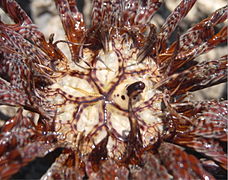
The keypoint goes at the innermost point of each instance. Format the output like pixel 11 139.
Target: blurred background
pixel 45 16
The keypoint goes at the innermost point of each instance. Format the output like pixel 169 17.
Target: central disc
pixel 104 95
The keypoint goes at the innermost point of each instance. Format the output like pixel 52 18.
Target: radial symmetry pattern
pixel 119 106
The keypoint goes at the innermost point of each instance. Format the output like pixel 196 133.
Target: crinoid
pixel 119 107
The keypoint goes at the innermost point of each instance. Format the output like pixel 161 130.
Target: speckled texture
pixel 45 13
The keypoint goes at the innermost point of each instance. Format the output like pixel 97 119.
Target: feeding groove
pixel 101 100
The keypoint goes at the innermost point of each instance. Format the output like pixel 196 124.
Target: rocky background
pixel 44 14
